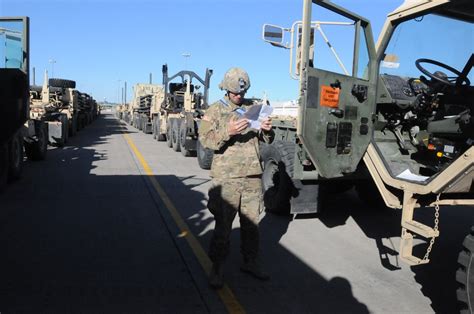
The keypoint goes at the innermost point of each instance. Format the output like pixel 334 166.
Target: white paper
pixel 390 65
pixel 256 114
pixel 408 175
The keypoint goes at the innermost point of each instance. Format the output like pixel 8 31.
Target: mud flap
pixel 54 131
pixel 147 128
pixel 190 144
pixel 306 199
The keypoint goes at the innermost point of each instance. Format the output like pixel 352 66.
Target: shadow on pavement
pixel 75 238
pixel 438 278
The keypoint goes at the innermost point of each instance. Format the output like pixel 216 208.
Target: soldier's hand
pixel 266 124
pixel 237 126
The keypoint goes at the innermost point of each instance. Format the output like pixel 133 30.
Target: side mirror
pixel 274 35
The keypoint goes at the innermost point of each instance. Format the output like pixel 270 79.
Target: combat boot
pixel 216 276
pixel 252 267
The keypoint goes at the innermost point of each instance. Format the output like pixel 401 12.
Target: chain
pixel 435 228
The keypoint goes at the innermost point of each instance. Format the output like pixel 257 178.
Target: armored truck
pixel 393 119
pixel 18 133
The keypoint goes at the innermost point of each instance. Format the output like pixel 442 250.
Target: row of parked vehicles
pixel 33 116
pixel 172 112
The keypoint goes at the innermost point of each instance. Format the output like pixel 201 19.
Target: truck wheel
pixel 182 139
pixel 465 275
pixel 55 82
pixel 204 156
pixel 3 166
pixel 15 165
pixel 277 184
pixel 175 135
pixel 169 135
pixel 37 150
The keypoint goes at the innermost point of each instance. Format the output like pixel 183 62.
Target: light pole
pixel 52 62
pixel 118 91
pixel 186 55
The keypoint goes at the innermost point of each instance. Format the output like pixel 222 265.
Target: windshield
pixel 11 44
pixel 433 37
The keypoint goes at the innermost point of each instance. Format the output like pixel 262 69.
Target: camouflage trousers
pixel 227 197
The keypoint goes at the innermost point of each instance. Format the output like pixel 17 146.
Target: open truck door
pixel 337 105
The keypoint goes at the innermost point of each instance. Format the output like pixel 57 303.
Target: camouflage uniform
pixel 236 179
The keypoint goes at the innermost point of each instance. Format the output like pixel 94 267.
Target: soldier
pixel 236 174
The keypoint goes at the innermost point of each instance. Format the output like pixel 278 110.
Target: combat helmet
pixel 236 80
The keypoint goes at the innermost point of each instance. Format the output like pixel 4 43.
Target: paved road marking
pixel 226 294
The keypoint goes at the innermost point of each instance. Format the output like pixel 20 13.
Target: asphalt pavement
pixel 116 222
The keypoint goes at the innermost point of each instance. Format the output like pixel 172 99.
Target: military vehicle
pixel 177 113
pixel 124 112
pixel 144 96
pixel 19 133
pixel 55 103
pixel 119 110
pixel 88 110
pixel 62 107
pixel 393 119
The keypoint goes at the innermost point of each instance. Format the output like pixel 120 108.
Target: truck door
pixel 337 104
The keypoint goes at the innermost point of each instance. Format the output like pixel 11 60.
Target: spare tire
pixel 55 82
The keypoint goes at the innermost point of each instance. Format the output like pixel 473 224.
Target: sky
pixel 102 44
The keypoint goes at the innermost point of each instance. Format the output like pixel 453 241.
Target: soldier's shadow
pixel 294 287
pixel 308 285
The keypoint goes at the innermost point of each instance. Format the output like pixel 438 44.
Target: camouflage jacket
pixel 235 156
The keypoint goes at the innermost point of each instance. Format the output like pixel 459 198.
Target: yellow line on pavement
pixel 226 294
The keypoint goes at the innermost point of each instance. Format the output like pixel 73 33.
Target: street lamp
pixel 186 55
pixel 118 91
pixel 52 62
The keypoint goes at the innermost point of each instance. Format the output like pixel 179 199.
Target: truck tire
pixel 182 139
pixel 37 150
pixel 277 184
pixel 175 135
pixel 15 165
pixel 204 156
pixel 3 166
pixel 55 82
pixel 465 275
pixel 169 136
